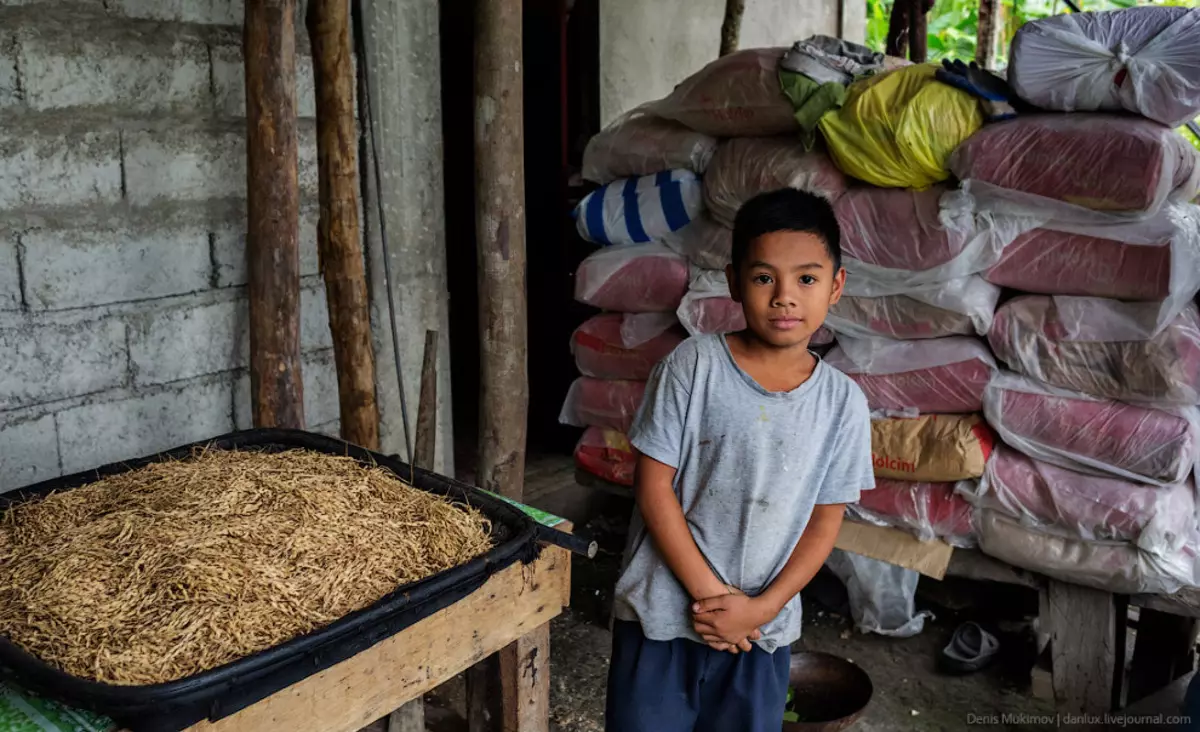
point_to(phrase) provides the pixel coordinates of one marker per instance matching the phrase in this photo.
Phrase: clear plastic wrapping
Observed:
(653, 208)
(640, 278)
(707, 307)
(1093, 435)
(600, 350)
(602, 403)
(935, 448)
(1159, 520)
(940, 376)
(1102, 348)
(744, 167)
(705, 243)
(1143, 60)
(1103, 162)
(958, 307)
(738, 95)
(606, 454)
(639, 144)
(927, 510)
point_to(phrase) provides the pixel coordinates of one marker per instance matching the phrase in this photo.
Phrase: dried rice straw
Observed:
(180, 567)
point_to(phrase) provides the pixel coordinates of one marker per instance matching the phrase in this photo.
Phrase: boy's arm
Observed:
(730, 616)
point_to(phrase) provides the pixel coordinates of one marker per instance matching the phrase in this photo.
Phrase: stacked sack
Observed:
(1098, 408)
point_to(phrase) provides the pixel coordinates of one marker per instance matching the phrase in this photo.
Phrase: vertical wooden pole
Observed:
(731, 26)
(897, 35)
(504, 384)
(918, 32)
(339, 241)
(1083, 624)
(988, 35)
(273, 190)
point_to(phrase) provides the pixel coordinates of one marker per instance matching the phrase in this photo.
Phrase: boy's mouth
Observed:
(786, 323)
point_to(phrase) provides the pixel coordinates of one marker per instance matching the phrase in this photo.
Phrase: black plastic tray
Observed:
(227, 689)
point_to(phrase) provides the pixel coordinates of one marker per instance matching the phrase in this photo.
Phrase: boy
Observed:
(749, 448)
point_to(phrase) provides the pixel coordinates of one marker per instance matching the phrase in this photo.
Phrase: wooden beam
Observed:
(918, 31)
(987, 36)
(1083, 624)
(273, 226)
(339, 241)
(1163, 652)
(897, 36)
(731, 26)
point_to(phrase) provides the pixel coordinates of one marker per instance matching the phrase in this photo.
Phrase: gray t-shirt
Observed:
(750, 466)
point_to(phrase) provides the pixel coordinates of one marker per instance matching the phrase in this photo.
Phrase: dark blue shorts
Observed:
(684, 686)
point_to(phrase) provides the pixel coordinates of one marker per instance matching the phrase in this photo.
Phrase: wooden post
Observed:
(988, 34)
(1163, 652)
(897, 35)
(504, 384)
(339, 241)
(918, 32)
(1083, 624)
(273, 227)
(731, 26)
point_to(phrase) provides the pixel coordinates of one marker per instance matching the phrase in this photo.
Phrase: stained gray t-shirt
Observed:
(750, 466)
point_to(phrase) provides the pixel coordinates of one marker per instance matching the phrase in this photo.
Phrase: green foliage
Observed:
(953, 24)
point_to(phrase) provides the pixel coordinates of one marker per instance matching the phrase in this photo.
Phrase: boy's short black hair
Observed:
(786, 209)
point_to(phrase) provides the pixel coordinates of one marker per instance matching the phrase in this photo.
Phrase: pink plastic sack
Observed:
(1090, 435)
(1097, 161)
(1102, 348)
(898, 228)
(706, 244)
(744, 167)
(1159, 520)
(640, 144)
(738, 95)
(600, 403)
(957, 307)
(1105, 565)
(643, 278)
(600, 351)
(927, 510)
(606, 454)
(941, 376)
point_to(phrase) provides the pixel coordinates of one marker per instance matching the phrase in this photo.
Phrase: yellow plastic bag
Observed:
(897, 129)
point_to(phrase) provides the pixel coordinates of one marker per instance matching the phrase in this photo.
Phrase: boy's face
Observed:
(786, 286)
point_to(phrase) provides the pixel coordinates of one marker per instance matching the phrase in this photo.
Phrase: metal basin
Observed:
(830, 692)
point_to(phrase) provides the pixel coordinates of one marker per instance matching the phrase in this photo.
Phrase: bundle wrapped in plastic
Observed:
(1102, 162)
(1159, 520)
(606, 454)
(736, 95)
(642, 278)
(927, 510)
(707, 307)
(940, 376)
(958, 307)
(744, 167)
(602, 403)
(640, 210)
(601, 351)
(1154, 259)
(1104, 348)
(1142, 60)
(935, 448)
(640, 144)
(898, 129)
(1092, 435)
(705, 243)
(1112, 566)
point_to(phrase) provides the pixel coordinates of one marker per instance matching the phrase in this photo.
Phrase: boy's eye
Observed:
(762, 279)
(808, 280)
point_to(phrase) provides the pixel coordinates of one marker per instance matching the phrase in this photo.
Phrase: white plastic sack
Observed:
(882, 595)
(1092, 435)
(1112, 566)
(1158, 520)
(705, 243)
(927, 510)
(638, 278)
(640, 144)
(640, 210)
(1102, 347)
(959, 307)
(707, 307)
(744, 167)
(940, 376)
(1143, 60)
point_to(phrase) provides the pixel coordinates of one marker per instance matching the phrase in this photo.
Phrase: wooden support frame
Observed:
(273, 213)
(1087, 629)
(918, 31)
(987, 36)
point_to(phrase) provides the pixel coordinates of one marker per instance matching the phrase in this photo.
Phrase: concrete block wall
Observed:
(123, 313)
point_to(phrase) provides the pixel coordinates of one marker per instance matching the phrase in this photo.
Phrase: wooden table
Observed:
(514, 603)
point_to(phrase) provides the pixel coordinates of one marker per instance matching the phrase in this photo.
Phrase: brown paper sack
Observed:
(935, 448)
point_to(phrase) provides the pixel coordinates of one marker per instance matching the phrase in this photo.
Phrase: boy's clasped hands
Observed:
(730, 621)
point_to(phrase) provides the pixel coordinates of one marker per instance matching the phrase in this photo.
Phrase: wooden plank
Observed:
(1163, 652)
(1185, 602)
(525, 683)
(514, 602)
(273, 216)
(1083, 624)
(973, 564)
(339, 241)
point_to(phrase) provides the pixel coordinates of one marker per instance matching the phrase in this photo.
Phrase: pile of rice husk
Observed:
(180, 567)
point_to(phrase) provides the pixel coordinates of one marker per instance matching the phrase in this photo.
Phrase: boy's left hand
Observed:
(731, 617)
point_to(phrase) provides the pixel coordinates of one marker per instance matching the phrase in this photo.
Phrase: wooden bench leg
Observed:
(1162, 653)
(1083, 624)
(408, 718)
(519, 699)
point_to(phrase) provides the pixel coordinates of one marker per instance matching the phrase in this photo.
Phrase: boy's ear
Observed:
(735, 290)
(839, 284)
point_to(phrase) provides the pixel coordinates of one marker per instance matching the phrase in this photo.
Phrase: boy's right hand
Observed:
(720, 644)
